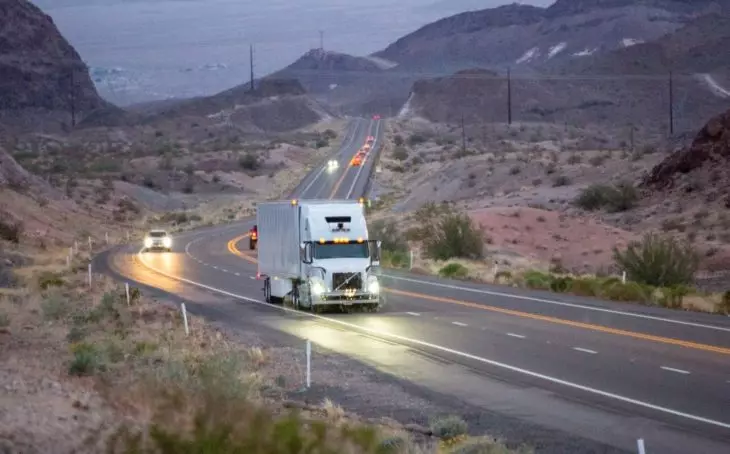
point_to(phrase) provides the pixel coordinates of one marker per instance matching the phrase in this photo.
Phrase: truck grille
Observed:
(339, 278)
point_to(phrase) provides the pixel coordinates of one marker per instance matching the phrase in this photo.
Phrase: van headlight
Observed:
(148, 242)
(374, 286)
(167, 242)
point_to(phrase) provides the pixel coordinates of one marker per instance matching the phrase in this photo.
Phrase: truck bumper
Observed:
(346, 299)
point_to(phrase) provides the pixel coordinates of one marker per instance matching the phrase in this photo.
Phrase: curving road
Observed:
(604, 371)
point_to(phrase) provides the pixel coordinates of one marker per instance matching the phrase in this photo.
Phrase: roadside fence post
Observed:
(89, 274)
(640, 445)
(106, 237)
(90, 243)
(410, 263)
(126, 289)
(623, 277)
(185, 318)
(309, 363)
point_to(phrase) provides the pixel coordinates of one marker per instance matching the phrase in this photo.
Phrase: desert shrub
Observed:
(249, 161)
(4, 320)
(320, 143)
(87, 359)
(561, 284)
(47, 280)
(329, 134)
(389, 235)
(487, 445)
(503, 275)
(449, 427)
(394, 259)
(54, 307)
(416, 139)
(561, 180)
(537, 280)
(628, 292)
(658, 261)
(616, 198)
(11, 231)
(400, 153)
(672, 297)
(724, 306)
(454, 235)
(515, 170)
(584, 287)
(454, 270)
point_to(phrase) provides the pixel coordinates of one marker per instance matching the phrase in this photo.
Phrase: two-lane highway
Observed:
(597, 369)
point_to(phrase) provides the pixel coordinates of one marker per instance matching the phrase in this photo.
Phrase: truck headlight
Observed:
(148, 242)
(167, 241)
(374, 287)
(318, 288)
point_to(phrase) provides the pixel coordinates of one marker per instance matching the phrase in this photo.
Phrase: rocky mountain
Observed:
(275, 105)
(626, 86)
(705, 160)
(524, 37)
(42, 77)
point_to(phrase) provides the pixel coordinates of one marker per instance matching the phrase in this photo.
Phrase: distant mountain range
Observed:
(573, 43)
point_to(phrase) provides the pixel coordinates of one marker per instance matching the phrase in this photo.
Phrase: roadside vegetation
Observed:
(659, 269)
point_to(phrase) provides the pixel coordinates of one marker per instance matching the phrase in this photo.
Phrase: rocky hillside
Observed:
(275, 105)
(701, 166)
(40, 73)
(524, 36)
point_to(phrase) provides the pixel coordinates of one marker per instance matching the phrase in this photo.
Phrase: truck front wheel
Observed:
(267, 290)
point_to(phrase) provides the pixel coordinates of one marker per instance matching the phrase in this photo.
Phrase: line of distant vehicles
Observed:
(357, 160)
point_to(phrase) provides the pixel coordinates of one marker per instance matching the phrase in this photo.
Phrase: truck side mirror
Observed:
(305, 252)
(375, 252)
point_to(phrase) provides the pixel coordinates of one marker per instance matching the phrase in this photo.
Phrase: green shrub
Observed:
(628, 292)
(561, 284)
(537, 280)
(87, 360)
(454, 270)
(47, 280)
(584, 287)
(416, 139)
(724, 306)
(394, 259)
(453, 235)
(503, 275)
(486, 445)
(4, 320)
(389, 236)
(249, 161)
(658, 261)
(54, 307)
(620, 197)
(449, 427)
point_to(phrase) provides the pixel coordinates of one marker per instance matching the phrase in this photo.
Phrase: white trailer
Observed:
(318, 253)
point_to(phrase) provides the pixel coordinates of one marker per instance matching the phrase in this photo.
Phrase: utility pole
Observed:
(463, 135)
(671, 103)
(251, 60)
(73, 98)
(509, 96)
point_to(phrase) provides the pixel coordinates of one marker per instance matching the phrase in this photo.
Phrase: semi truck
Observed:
(318, 254)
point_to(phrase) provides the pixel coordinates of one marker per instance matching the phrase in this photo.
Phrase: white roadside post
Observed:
(410, 263)
(106, 237)
(126, 289)
(185, 318)
(76, 247)
(68, 261)
(309, 363)
(89, 243)
(89, 274)
(623, 277)
(640, 445)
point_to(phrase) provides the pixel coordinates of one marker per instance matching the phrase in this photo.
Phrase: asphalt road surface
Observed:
(601, 370)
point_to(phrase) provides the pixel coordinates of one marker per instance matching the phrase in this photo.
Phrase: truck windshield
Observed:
(158, 234)
(341, 251)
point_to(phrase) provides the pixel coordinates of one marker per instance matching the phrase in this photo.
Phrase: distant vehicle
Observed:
(318, 253)
(370, 139)
(366, 147)
(332, 164)
(157, 240)
(376, 117)
(357, 160)
(253, 237)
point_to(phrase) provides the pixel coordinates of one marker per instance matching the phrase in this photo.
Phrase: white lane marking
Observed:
(560, 303)
(415, 314)
(519, 336)
(679, 371)
(237, 274)
(585, 350)
(357, 175)
(252, 277)
(491, 362)
(459, 324)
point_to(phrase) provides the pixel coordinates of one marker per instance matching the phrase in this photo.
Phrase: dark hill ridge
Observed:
(39, 70)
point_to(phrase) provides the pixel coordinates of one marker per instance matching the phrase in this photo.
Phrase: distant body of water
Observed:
(140, 50)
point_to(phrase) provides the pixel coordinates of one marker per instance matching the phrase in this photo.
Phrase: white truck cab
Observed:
(318, 253)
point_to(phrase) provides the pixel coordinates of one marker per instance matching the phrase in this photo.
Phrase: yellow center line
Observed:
(339, 182)
(589, 326)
